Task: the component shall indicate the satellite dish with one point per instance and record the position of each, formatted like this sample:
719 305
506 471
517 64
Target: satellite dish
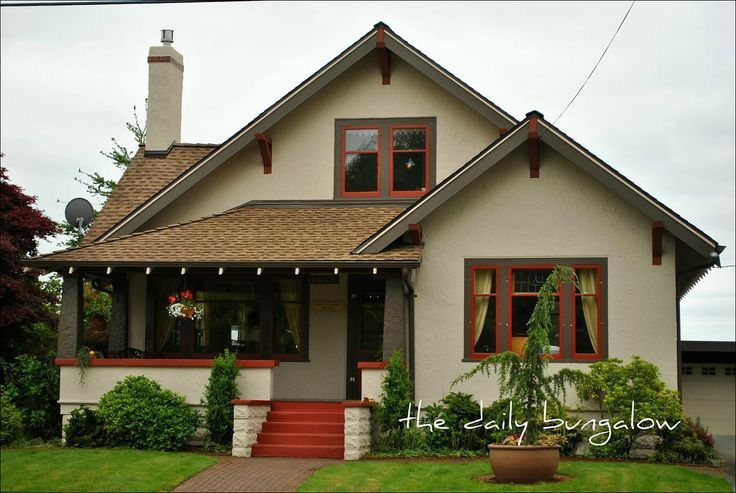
79 212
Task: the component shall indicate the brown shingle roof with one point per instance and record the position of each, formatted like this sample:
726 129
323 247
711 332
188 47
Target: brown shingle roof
252 234
144 177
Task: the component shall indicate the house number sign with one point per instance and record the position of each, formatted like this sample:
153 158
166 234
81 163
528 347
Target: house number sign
328 306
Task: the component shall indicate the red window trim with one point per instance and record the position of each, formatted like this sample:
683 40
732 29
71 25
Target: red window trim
587 356
418 193
473 353
510 294
343 152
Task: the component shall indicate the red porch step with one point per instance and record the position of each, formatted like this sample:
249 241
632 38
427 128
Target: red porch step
302 429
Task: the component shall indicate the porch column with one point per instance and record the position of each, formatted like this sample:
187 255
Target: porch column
118 328
393 318
70 319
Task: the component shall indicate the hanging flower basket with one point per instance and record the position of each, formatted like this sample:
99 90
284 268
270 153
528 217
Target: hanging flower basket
182 305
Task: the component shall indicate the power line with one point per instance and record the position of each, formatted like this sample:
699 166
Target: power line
596 64
77 3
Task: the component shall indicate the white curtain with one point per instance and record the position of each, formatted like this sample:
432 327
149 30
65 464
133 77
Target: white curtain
483 285
290 298
588 281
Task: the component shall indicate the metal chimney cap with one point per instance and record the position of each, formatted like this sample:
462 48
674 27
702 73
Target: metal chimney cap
167 36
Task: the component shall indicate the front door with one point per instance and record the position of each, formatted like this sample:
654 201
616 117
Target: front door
366 297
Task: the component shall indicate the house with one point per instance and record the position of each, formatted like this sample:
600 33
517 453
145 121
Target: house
381 205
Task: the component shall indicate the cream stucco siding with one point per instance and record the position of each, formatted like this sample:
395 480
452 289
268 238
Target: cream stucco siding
565 213
304 142
323 376
137 310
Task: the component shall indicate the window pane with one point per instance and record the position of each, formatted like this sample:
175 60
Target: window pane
530 280
585 327
484 324
287 317
484 281
361 172
409 171
410 138
230 317
361 139
371 321
168 330
522 308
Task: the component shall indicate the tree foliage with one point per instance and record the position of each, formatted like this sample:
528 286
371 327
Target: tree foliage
524 379
220 390
23 302
396 398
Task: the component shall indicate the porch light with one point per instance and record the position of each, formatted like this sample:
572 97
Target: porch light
71 270
296 271
220 271
337 271
375 270
259 271
108 271
183 270
148 270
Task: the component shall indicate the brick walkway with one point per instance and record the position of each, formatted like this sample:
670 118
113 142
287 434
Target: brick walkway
255 474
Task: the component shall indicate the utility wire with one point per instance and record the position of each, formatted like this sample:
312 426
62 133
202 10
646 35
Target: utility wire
77 3
596 64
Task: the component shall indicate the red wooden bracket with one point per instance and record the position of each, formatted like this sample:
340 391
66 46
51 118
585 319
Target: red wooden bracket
264 144
657 229
533 140
415 234
384 59
502 131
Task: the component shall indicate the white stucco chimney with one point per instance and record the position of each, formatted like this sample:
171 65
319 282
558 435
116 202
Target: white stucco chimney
165 79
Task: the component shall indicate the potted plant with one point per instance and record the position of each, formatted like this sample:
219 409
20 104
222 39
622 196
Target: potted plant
524 379
182 305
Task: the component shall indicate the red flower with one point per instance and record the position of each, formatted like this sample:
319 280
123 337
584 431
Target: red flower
187 295
172 300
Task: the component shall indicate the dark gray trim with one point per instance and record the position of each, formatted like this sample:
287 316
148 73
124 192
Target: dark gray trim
295 98
384 156
71 332
709 346
447 188
360 262
503 265
353 202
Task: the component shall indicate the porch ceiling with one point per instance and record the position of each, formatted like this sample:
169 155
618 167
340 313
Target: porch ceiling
254 234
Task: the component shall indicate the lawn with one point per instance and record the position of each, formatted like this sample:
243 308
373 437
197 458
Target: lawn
66 469
427 475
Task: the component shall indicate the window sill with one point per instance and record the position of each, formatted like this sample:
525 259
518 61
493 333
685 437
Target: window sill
552 360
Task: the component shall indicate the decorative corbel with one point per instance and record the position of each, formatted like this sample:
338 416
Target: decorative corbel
533 140
415 234
384 57
264 144
657 230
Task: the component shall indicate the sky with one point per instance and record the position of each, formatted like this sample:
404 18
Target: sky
659 108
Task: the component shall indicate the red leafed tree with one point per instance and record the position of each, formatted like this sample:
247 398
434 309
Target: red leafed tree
22 301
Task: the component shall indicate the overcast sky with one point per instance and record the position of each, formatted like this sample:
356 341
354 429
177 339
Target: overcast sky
660 108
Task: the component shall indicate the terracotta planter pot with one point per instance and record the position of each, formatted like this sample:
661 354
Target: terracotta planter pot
525 463
188 312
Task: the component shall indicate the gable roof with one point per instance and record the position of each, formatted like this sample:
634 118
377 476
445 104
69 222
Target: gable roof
258 234
354 53
144 177
696 239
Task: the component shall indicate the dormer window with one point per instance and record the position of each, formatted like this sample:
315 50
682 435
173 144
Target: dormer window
384 158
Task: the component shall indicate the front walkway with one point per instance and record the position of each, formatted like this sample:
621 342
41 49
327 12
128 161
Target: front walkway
255 474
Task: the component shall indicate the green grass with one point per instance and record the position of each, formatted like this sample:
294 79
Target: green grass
67 469
415 475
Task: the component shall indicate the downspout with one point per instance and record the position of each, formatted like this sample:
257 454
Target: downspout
409 292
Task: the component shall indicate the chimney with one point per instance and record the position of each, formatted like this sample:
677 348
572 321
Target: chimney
165 77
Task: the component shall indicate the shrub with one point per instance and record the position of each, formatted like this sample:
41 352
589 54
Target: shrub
84 429
615 385
457 409
410 442
691 443
221 389
138 413
32 384
397 394
11 421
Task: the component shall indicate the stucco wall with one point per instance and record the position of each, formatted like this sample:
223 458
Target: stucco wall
303 142
712 398
137 310
565 213
323 377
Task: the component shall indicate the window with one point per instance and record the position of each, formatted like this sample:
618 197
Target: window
687 370
409 161
503 293
730 371
708 371
370 318
360 162
256 317
384 158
